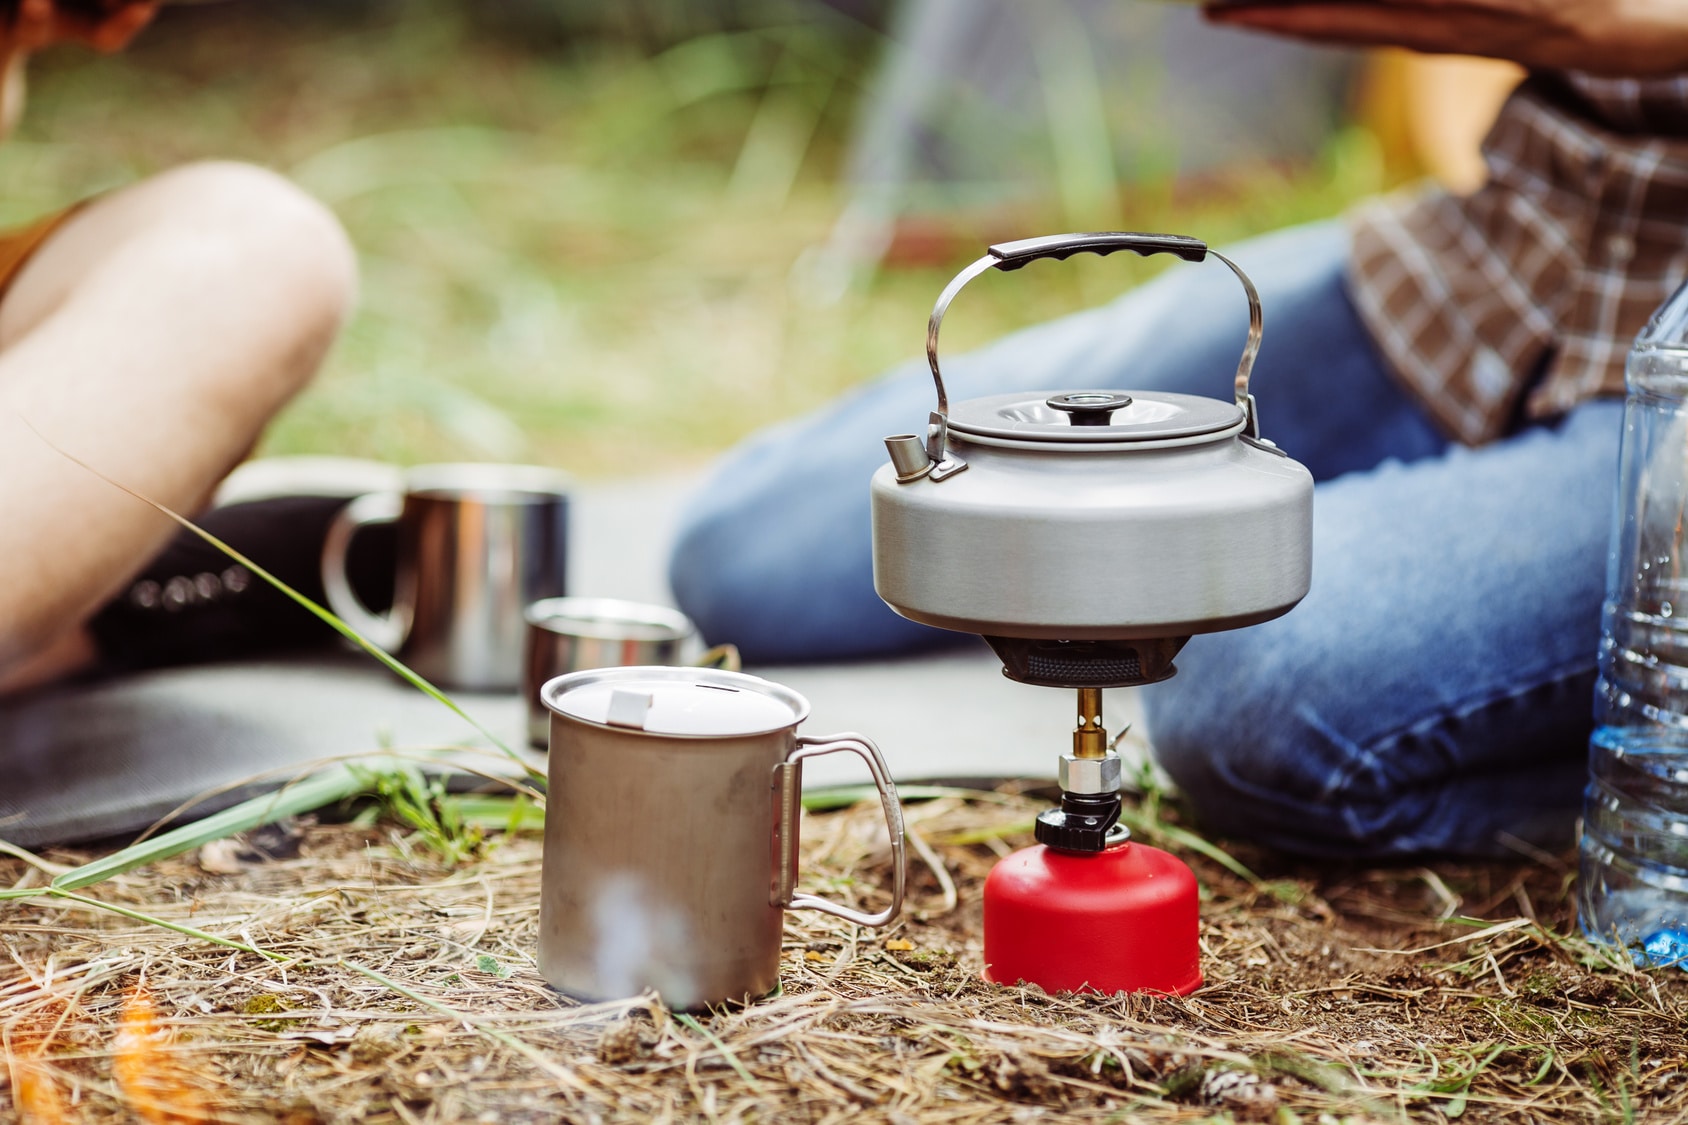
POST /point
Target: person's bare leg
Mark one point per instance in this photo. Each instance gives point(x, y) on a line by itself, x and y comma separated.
point(152, 336)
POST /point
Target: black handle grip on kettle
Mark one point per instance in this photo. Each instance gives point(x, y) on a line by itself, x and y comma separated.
point(1013, 255)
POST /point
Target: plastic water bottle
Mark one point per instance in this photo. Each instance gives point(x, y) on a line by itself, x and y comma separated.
point(1633, 888)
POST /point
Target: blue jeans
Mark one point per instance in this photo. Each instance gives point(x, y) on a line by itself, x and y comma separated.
point(1433, 691)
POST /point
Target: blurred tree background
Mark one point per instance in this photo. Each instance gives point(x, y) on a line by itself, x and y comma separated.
point(591, 231)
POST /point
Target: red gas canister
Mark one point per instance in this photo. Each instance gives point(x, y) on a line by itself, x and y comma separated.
point(1119, 920)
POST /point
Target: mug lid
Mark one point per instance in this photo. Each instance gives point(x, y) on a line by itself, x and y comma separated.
point(695, 702)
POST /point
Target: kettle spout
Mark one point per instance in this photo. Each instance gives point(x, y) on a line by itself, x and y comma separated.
point(908, 457)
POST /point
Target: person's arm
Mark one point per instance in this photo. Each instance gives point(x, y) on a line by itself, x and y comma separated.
point(105, 25)
point(1620, 38)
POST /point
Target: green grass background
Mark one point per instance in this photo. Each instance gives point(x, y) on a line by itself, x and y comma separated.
point(580, 247)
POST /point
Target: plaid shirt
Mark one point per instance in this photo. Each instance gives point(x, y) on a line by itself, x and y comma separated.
point(1520, 300)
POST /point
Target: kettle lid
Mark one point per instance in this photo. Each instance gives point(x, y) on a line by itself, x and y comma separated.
point(1089, 418)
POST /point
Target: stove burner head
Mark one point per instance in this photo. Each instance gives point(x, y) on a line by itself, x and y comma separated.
point(1080, 664)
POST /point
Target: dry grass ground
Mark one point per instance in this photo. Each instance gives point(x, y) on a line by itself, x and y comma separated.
point(406, 991)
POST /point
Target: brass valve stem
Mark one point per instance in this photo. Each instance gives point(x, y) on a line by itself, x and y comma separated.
point(1089, 739)
point(1089, 778)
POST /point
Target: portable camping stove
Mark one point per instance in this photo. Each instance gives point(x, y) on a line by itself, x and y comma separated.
point(1123, 915)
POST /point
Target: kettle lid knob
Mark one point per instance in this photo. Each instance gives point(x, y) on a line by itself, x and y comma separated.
point(1089, 408)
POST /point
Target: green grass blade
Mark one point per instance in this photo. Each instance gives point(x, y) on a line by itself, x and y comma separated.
point(1149, 829)
point(29, 857)
point(488, 812)
point(843, 796)
point(520, 812)
point(308, 794)
point(985, 835)
point(25, 892)
point(726, 1052)
point(422, 803)
point(162, 923)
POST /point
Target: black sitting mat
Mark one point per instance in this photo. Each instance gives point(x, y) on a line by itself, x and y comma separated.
point(90, 761)
point(97, 760)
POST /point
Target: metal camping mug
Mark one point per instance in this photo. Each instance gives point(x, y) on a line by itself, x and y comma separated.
point(671, 833)
point(573, 634)
point(476, 545)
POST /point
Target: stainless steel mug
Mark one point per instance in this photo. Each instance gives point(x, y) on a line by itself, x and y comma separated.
point(671, 833)
point(573, 634)
point(476, 545)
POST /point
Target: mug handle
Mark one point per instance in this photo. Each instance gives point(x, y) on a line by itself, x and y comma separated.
point(387, 631)
point(788, 796)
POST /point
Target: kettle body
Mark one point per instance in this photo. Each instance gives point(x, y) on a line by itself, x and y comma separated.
point(1097, 545)
point(1089, 533)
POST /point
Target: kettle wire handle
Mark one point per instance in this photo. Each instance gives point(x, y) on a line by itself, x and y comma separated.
point(1013, 255)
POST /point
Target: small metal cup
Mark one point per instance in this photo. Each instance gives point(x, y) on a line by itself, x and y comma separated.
point(671, 833)
point(476, 543)
point(574, 634)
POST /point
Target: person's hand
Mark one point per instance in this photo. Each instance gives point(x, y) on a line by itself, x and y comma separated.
point(1612, 37)
point(105, 25)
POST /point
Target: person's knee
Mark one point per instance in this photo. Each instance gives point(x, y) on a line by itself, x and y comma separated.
point(748, 575)
point(272, 242)
point(715, 585)
point(245, 201)
point(231, 256)
point(1251, 731)
point(1292, 735)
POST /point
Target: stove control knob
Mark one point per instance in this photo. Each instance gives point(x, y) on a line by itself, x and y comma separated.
point(1082, 823)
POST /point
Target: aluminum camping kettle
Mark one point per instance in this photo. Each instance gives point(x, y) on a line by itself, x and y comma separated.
point(1088, 534)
